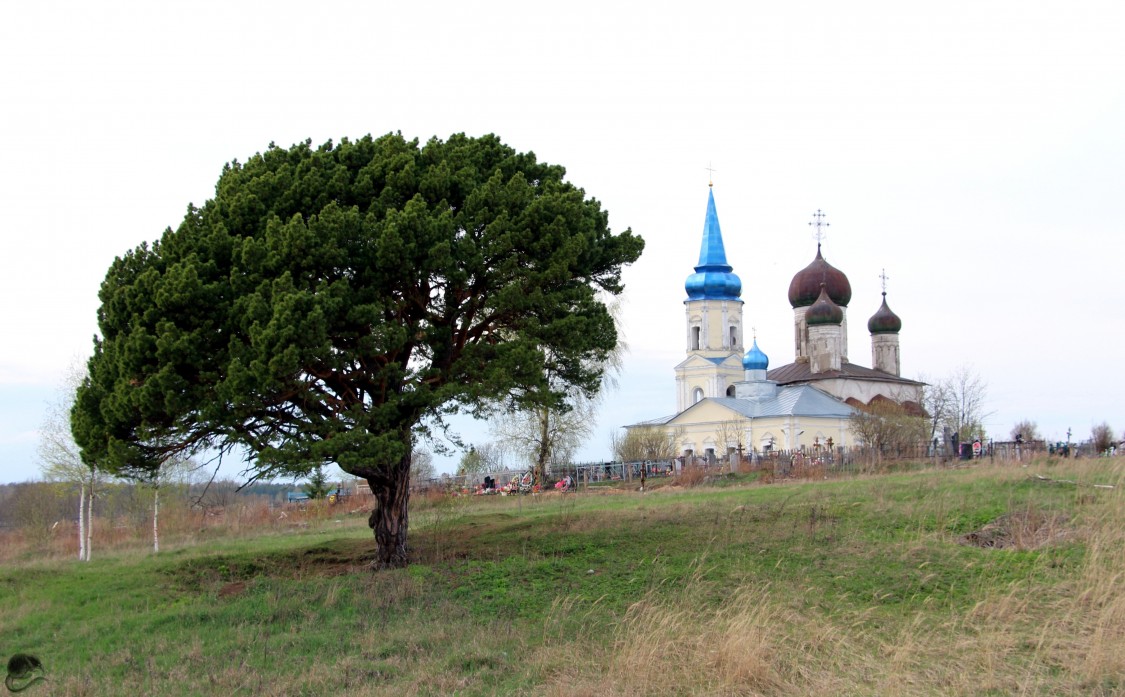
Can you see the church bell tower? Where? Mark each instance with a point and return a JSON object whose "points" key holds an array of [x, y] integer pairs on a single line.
{"points": [[713, 321]]}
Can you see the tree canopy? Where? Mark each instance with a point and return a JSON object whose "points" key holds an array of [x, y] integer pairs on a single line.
{"points": [[548, 425], [329, 301], [646, 444]]}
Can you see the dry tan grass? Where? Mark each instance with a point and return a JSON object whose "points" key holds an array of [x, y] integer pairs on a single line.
{"points": [[692, 476], [751, 645], [758, 645], [180, 525], [1019, 639]]}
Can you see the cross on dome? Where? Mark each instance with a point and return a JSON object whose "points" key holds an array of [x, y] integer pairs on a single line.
{"points": [[819, 223]]}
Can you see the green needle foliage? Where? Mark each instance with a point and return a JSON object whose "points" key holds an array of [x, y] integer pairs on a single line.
{"points": [[317, 486], [329, 302]]}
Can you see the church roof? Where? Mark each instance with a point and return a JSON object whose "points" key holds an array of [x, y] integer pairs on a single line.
{"points": [[801, 372], [713, 278], [795, 400], [655, 422], [695, 360]]}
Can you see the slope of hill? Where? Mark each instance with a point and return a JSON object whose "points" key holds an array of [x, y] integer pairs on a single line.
{"points": [[955, 582]]}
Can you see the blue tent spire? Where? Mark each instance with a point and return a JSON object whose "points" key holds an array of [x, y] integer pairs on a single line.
{"points": [[713, 278], [711, 252]]}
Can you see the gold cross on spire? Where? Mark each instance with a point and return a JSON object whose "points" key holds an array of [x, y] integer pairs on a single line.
{"points": [[818, 223], [883, 277], [710, 175]]}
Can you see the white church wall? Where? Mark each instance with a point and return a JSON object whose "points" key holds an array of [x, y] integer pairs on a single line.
{"points": [[866, 390], [884, 353], [697, 372], [711, 425]]}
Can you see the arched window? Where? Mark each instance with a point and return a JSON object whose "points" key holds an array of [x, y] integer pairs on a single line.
{"points": [[695, 331], [734, 337], [696, 395], [730, 391]]}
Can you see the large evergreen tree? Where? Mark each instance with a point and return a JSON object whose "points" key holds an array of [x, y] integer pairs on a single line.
{"points": [[331, 301]]}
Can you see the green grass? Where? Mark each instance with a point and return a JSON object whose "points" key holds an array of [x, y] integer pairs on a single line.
{"points": [[545, 595]]}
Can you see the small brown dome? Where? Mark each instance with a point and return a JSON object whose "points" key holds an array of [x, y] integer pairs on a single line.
{"points": [[805, 286], [823, 311], [884, 321]]}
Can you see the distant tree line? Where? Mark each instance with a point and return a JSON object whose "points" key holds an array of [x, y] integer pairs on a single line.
{"points": [[37, 506]]}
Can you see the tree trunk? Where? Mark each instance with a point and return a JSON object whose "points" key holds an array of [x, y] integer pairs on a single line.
{"points": [[544, 451], [390, 518], [90, 519], [82, 522], [155, 518]]}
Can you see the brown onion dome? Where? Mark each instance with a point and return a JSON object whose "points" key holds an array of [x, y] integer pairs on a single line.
{"points": [[884, 321], [823, 311], [805, 286]]}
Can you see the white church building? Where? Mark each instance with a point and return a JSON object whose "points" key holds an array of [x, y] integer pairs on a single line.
{"points": [[727, 399]]}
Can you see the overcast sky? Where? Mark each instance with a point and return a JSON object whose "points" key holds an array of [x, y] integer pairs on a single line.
{"points": [[976, 150]]}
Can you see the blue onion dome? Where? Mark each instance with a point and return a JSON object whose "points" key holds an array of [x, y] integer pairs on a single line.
{"points": [[884, 321], [823, 311], [706, 284], [713, 278], [804, 289], [755, 359]]}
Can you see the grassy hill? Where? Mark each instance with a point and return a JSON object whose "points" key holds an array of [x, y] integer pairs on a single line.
{"points": [[955, 582]]}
